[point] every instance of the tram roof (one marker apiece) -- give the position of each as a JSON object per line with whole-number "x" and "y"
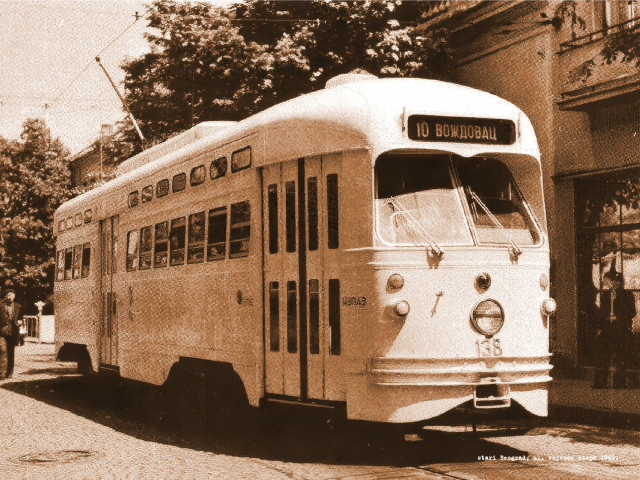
{"x": 363, "y": 113}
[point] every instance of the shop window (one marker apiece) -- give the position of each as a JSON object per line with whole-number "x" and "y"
{"x": 197, "y": 175}
{"x": 195, "y": 252}
{"x": 146, "y": 248}
{"x": 607, "y": 244}
{"x": 132, "y": 250}
{"x": 217, "y": 240}
{"x": 179, "y": 182}
{"x": 218, "y": 168}
{"x": 241, "y": 159}
{"x": 161, "y": 244}
{"x": 178, "y": 231}
{"x": 147, "y": 194}
{"x": 162, "y": 188}
{"x": 86, "y": 259}
{"x": 239, "y": 229}
{"x": 133, "y": 199}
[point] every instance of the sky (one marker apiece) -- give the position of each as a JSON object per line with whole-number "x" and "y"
{"x": 48, "y": 68}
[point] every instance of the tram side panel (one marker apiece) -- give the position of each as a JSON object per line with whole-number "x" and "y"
{"x": 76, "y": 290}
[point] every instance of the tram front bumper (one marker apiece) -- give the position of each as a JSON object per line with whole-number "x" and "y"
{"x": 416, "y": 389}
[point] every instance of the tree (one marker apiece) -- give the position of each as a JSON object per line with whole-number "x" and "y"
{"x": 34, "y": 181}
{"x": 207, "y": 63}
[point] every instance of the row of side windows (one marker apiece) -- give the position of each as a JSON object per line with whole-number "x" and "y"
{"x": 73, "y": 262}
{"x": 240, "y": 160}
{"x": 200, "y": 235}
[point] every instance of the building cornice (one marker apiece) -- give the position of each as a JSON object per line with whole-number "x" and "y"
{"x": 584, "y": 98}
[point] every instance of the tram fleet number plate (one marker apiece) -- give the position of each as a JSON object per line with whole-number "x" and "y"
{"x": 489, "y": 347}
{"x": 431, "y": 128}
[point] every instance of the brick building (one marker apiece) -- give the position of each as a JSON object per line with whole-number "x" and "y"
{"x": 589, "y": 134}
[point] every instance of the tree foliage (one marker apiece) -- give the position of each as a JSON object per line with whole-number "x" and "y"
{"x": 208, "y": 63}
{"x": 34, "y": 181}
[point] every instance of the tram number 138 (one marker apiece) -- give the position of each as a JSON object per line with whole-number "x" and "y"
{"x": 489, "y": 347}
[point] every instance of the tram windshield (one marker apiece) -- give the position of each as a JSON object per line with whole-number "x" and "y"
{"x": 434, "y": 200}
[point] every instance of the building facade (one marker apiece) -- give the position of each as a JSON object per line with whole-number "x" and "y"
{"x": 588, "y": 127}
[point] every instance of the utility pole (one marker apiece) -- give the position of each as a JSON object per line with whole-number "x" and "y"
{"x": 124, "y": 104}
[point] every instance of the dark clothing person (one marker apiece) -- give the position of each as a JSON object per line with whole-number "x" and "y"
{"x": 10, "y": 312}
{"x": 614, "y": 336}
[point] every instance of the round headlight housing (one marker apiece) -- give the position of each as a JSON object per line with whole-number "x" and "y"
{"x": 401, "y": 308}
{"x": 548, "y": 306}
{"x": 487, "y": 317}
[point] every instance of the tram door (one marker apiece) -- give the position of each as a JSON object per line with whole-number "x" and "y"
{"x": 109, "y": 318}
{"x": 297, "y": 280}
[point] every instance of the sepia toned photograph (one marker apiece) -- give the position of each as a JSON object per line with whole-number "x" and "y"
{"x": 320, "y": 239}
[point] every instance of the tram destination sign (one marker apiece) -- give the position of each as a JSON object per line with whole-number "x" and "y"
{"x": 430, "y": 128}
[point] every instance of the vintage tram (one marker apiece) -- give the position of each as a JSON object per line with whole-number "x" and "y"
{"x": 379, "y": 244}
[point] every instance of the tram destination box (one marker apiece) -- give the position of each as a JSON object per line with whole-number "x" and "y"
{"x": 430, "y": 128}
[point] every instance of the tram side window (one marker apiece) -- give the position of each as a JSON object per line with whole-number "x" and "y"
{"x": 290, "y": 216}
{"x": 178, "y": 231}
{"x": 133, "y": 199}
{"x": 314, "y": 317}
{"x": 218, "y": 168}
{"x": 274, "y": 316}
{"x": 241, "y": 159}
{"x": 147, "y": 194}
{"x": 86, "y": 259}
{"x": 239, "y": 229}
{"x": 334, "y": 316}
{"x": 197, "y": 175}
{"x": 195, "y": 250}
{"x": 216, "y": 244}
{"x": 146, "y": 247}
{"x": 272, "y": 204}
{"x": 312, "y": 208}
{"x": 179, "y": 182}
{"x": 77, "y": 259}
{"x": 132, "y": 250}
{"x": 60, "y": 265}
{"x": 162, "y": 188}
{"x": 292, "y": 317}
{"x": 68, "y": 260}
{"x": 332, "y": 210}
{"x": 162, "y": 244}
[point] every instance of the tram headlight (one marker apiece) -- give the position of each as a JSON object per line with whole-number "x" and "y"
{"x": 488, "y": 317}
{"x": 401, "y": 308}
{"x": 548, "y": 306}
{"x": 395, "y": 282}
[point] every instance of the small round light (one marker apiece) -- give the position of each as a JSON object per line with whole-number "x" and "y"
{"x": 548, "y": 306}
{"x": 544, "y": 281}
{"x": 401, "y": 308}
{"x": 488, "y": 317}
{"x": 483, "y": 281}
{"x": 395, "y": 282}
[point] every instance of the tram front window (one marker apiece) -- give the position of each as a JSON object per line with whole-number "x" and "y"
{"x": 420, "y": 202}
{"x": 497, "y": 208}
{"x": 417, "y": 201}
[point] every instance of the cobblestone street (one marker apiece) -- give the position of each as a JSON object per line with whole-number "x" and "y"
{"x": 58, "y": 424}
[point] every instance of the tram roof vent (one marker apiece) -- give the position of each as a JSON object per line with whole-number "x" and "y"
{"x": 351, "y": 77}
{"x": 197, "y": 132}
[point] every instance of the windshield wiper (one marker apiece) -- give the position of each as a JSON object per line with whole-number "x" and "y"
{"x": 434, "y": 249}
{"x": 514, "y": 250}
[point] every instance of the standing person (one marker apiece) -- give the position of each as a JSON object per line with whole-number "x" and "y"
{"x": 12, "y": 311}
{"x": 613, "y": 335}
{"x": 6, "y": 336}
